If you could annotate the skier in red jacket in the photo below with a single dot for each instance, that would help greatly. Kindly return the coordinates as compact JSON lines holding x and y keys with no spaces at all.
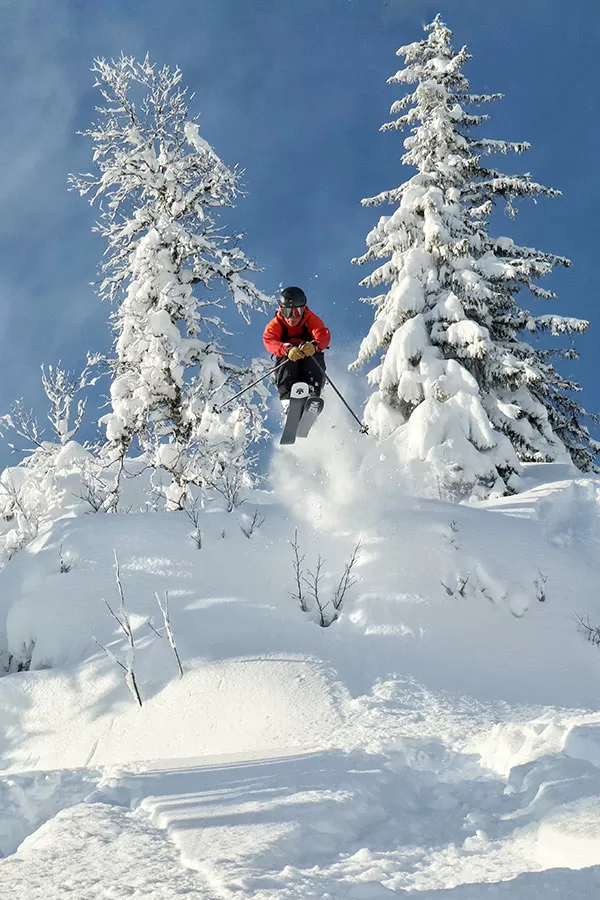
{"x":296,"y":332}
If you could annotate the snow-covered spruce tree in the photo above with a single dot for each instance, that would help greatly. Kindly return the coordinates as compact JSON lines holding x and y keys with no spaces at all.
{"x":160,"y":183}
{"x":457,"y":386}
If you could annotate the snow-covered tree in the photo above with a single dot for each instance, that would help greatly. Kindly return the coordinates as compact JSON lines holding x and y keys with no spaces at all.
{"x":160,"y":184}
{"x":457,"y":384}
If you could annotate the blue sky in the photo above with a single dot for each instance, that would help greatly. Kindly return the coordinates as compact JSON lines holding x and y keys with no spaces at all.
{"x":294,"y":93}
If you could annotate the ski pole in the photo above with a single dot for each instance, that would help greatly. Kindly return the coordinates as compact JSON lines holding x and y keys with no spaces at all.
{"x":363,"y":428}
{"x":218,"y":409}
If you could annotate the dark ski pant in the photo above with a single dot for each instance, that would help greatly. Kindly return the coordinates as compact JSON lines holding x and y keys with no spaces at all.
{"x":305,"y":370}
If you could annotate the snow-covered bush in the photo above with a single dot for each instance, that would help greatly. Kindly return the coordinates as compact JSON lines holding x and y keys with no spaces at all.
{"x":160,"y":184}
{"x":55,"y":476}
{"x":456,"y":384}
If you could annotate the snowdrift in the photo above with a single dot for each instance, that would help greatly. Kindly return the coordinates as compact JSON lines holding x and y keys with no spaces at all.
{"x":443,"y":733}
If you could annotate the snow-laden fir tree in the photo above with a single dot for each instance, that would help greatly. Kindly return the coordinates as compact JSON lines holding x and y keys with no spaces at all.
{"x":160,"y":185}
{"x":457,"y":385}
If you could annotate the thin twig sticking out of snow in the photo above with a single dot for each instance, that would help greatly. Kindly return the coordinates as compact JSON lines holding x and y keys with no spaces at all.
{"x":346,"y":581}
{"x":122,"y":617}
{"x":312,"y":583}
{"x":164,"y":608}
{"x":120,"y":589}
{"x":193,"y":514}
{"x":253,"y":525}
{"x":298,"y":560}
{"x":592,"y":632}
{"x":65,"y":563}
{"x":540,"y":586}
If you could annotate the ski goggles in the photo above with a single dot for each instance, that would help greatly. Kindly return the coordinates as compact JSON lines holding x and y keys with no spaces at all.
{"x":289,"y":312}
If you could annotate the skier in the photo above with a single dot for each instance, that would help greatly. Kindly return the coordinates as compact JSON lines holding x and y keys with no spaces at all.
{"x":296,"y":332}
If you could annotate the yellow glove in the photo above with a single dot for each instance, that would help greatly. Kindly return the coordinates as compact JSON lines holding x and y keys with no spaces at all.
{"x":308,"y":349}
{"x":295,"y":354}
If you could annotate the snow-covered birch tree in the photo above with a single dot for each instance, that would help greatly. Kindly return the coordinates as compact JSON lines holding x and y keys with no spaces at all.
{"x":456,"y":384}
{"x":170,"y":270}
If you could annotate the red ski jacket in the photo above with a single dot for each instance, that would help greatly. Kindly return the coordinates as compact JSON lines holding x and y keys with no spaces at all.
{"x":279,"y":336}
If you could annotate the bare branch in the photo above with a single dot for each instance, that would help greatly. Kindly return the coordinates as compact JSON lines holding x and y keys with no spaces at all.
{"x":347,"y":580}
{"x":124,"y":622}
{"x":152,"y":628}
{"x":115,"y":616}
{"x":313,"y":583}
{"x":120,"y":588}
{"x":61,"y":388}
{"x":298,"y":561}
{"x":164,"y":608}
{"x":24,"y":424}
{"x":110,"y":654}
{"x":229,"y":483}
{"x":193,"y":512}
{"x":592,"y":632}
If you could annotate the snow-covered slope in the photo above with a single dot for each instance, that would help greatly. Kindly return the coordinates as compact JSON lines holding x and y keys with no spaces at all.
{"x":443,"y":733}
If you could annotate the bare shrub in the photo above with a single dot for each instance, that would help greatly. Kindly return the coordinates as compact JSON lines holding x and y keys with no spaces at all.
{"x":193,"y":512}
{"x":252,"y":524}
{"x":591,"y":632}
{"x":328,"y":610}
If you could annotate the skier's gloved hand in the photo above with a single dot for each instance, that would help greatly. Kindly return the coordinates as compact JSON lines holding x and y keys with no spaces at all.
{"x":308,"y":349}
{"x":295,"y":354}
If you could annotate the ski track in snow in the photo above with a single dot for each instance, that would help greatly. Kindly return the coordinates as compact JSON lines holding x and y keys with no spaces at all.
{"x":324,"y":825}
{"x":425,"y":742}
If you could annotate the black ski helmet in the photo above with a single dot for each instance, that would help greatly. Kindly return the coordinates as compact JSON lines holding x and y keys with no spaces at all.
{"x":292,"y":297}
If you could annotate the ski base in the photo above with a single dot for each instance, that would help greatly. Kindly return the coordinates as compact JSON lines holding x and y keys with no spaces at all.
{"x":313,"y":407}
{"x":298,"y":397}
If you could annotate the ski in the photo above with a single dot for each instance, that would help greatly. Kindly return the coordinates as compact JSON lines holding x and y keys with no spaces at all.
{"x":313,"y":408}
{"x":299,"y":394}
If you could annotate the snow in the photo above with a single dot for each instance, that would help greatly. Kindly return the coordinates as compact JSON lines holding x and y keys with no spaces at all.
{"x":443,"y":734}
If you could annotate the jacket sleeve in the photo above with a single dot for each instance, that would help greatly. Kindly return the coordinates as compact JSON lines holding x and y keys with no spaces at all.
{"x":320,"y":333}
{"x":272,"y":339}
